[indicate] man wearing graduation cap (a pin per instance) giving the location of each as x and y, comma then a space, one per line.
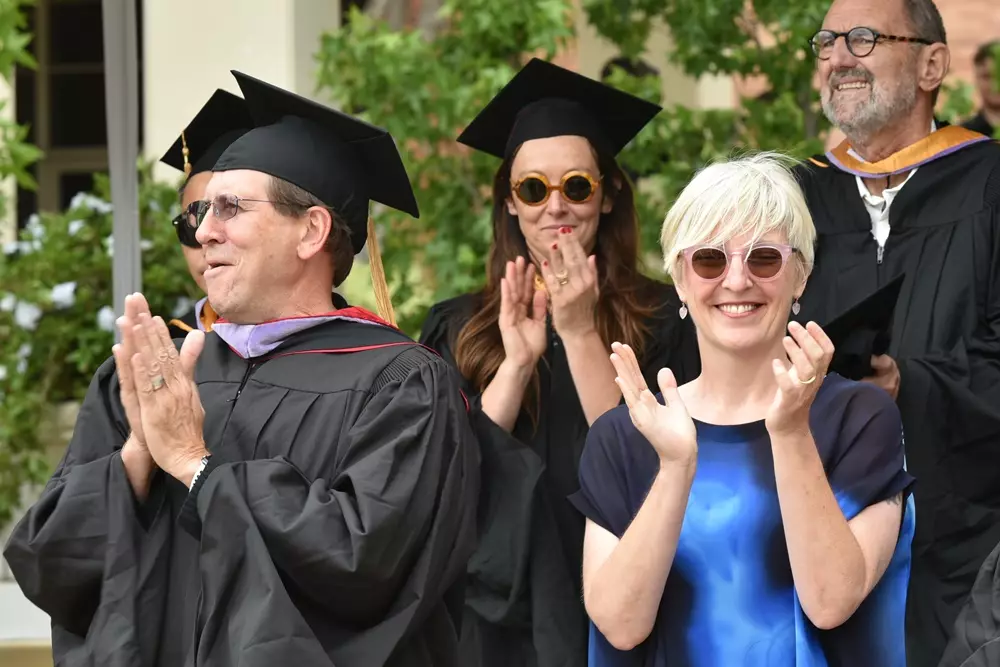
222, 120
295, 488
905, 196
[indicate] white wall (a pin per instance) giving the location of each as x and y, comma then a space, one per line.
191, 45
705, 93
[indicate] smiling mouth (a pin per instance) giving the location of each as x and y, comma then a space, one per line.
739, 309
851, 85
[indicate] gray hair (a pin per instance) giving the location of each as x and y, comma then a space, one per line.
751, 195
925, 19
291, 200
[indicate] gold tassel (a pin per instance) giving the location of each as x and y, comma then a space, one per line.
186, 152
382, 300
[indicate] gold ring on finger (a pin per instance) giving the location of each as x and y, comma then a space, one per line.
809, 381
562, 276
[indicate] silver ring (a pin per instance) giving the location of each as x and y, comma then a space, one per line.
157, 381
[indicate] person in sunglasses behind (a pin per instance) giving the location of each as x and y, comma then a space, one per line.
755, 515
219, 123
562, 284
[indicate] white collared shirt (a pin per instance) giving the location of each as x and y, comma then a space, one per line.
878, 206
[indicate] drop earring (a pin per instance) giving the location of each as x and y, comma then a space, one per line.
796, 307
683, 312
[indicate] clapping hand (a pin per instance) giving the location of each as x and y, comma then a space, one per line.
668, 427
572, 282
158, 391
522, 315
810, 351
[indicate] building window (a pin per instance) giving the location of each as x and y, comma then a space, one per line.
63, 101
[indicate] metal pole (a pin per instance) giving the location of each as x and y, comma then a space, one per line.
121, 97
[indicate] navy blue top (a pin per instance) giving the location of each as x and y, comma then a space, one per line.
729, 600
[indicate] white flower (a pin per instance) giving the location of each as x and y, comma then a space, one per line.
27, 247
10, 248
34, 227
64, 295
8, 302
109, 244
23, 353
3, 373
106, 319
145, 244
87, 200
26, 315
75, 226
182, 307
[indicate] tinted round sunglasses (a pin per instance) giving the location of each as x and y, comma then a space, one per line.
764, 262
578, 187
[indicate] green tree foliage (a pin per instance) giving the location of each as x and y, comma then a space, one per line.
57, 317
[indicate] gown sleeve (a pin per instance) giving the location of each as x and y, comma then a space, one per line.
510, 474
83, 551
953, 397
369, 548
976, 638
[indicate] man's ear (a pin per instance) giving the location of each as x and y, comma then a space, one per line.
316, 226
935, 60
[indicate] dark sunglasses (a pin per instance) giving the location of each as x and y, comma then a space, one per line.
576, 186
763, 262
860, 41
186, 224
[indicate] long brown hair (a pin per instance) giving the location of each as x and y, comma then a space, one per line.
620, 308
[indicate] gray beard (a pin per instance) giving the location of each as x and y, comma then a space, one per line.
882, 108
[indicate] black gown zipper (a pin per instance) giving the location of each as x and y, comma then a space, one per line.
251, 367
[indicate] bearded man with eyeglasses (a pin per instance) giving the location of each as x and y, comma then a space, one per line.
906, 195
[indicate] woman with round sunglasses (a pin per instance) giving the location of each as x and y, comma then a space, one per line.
755, 515
219, 123
562, 284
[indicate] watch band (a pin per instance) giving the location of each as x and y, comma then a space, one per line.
201, 469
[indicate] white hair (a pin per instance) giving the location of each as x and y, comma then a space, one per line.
752, 195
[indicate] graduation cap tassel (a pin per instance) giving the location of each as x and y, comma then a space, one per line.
187, 155
382, 301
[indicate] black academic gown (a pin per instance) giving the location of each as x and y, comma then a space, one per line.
976, 640
335, 530
524, 595
945, 237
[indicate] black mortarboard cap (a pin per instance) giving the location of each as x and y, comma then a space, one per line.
339, 159
863, 330
223, 120
544, 100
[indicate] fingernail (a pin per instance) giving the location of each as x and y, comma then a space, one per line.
565, 230
545, 263
555, 246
